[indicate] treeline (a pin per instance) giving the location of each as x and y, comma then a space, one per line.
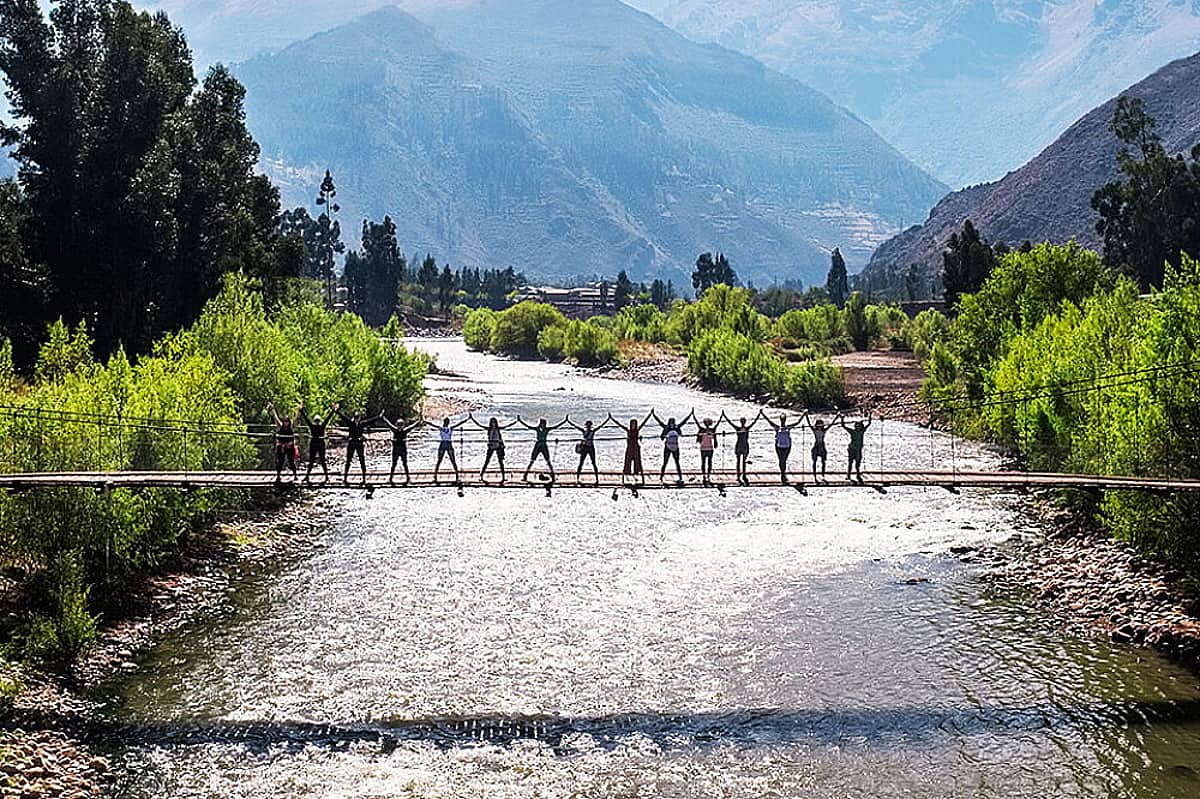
183, 407
136, 188
380, 282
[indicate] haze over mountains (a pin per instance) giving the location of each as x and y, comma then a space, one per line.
1050, 197
576, 138
967, 89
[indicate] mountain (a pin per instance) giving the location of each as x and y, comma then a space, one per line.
578, 138
1049, 199
968, 89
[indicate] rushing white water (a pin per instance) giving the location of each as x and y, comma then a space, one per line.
677, 644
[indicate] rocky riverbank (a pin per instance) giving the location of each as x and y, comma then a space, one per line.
1098, 586
42, 750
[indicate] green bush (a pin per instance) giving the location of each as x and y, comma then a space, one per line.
930, 327
590, 344
728, 361
552, 343
642, 323
517, 328
185, 406
478, 329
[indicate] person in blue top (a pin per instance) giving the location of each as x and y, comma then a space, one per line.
541, 446
671, 435
783, 445
446, 447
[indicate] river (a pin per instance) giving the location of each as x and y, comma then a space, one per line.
678, 644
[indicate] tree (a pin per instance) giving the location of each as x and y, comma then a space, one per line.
857, 324
622, 291
428, 278
22, 282
914, 283
446, 284
329, 234
966, 264
838, 283
373, 277
1152, 213
662, 294
140, 191
711, 272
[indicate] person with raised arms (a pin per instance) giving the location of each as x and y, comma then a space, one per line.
446, 447
356, 434
858, 442
541, 446
741, 447
495, 446
783, 444
400, 432
586, 448
672, 433
317, 443
633, 444
706, 437
285, 444
820, 452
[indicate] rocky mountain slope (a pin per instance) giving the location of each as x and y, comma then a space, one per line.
967, 89
575, 138
1050, 197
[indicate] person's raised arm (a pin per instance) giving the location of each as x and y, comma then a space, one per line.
617, 422
459, 424
870, 419
303, 414
337, 411
646, 421
691, 417
526, 424
274, 414
471, 418
654, 416
566, 421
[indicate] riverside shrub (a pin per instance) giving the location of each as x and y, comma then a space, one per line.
183, 406
729, 361
1053, 341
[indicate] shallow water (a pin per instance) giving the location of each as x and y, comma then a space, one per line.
677, 644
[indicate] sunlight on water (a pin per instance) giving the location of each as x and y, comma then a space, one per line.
679, 644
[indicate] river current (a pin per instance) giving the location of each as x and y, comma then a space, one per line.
677, 644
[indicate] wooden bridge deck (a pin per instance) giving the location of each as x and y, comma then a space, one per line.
879, 481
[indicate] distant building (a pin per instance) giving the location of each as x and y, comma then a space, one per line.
583, 302
914, 308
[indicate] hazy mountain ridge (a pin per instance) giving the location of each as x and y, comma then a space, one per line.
596, 139
1050, 197
967, 89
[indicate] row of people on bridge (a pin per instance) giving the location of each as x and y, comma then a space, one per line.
670, 434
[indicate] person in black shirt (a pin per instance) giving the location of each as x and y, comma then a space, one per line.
356, 432
317, 428
400, 433
285, 444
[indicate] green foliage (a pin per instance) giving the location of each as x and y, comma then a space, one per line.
1054, 318
478, 329
641, 323
552, 343
517, 328
858, 324
711, 272
138, 188
730, 361
966, 264
929, 328
838, 283
183, 407
822, 326
590, 343
721, 307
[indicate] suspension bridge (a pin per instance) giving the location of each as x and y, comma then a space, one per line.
106, 451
